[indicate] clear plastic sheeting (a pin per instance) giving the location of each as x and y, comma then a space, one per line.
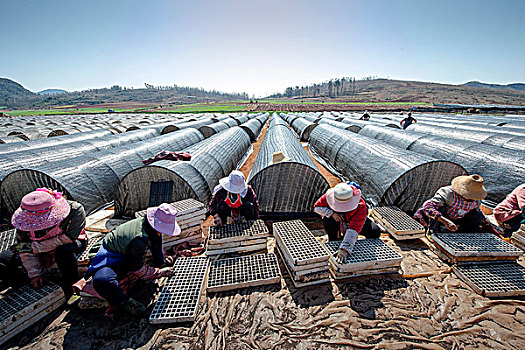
11, 139
388, 175
36, 156
357, 124
91, 179
276, 121
212, 159
502, 169
339, 125
290, 187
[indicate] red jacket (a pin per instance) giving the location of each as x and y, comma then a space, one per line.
355, 218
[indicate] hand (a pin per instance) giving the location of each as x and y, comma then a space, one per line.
217, 220
166, 272
169, 260
37, 282
450, 225
341, 255
337, 217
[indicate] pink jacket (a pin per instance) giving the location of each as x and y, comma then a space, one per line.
512, 205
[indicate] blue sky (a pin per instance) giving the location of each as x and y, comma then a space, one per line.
259, 47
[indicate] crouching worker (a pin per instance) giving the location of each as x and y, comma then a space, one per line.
122, 255
344, 212
510, 213
49, 229
454, 208
232, 197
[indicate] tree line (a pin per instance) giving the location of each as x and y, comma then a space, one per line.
346, 86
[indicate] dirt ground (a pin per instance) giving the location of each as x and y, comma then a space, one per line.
425, 307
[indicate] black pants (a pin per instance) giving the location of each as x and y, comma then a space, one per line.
332, 229
470, 223
12, 273
513, 224
247, 210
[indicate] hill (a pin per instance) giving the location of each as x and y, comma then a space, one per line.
52, 92
515, 86
401, 91
12, 92
15, 96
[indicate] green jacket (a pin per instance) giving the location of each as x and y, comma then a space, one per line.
132, 239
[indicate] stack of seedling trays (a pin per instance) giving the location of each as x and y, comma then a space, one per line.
397, 223
179, 298
304, 256
368, 257
518, 239
7, 239
84, 259
242, 237
483, 261
23, 307
190, 215
243, 271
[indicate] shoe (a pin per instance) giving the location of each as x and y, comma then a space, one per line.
428, 235
135, 308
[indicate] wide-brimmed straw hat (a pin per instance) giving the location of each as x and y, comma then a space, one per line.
469, 187
40, 209
278, 157
234, 183
164, 219
343, 197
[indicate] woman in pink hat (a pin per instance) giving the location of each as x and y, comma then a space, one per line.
344, 212
49, 229
233, 197
122, 253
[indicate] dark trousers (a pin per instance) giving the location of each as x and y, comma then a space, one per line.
513, 224
470, 223
247, 210
11, 268
11, 271
105, 282
66, 259
333, 229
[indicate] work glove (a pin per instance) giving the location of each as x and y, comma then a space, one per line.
166, 272
347, 244
341, 255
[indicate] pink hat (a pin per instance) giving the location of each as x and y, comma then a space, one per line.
40, 209
343, 197
163, 219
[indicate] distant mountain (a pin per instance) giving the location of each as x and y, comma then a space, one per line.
11, 93
515, 86
52, 92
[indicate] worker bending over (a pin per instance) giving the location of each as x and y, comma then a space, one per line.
122, 253
232, 197
344, 212
510, 213
455, 208
49, 229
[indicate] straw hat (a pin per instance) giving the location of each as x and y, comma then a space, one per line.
343, 197
40, 209
234, 183
469, 187
278, 157
163, 219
